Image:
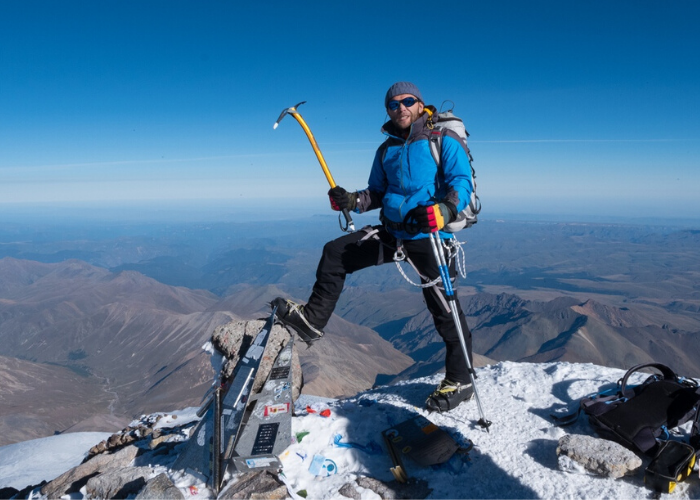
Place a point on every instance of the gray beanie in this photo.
(402, 88)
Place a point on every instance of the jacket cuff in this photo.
(449, 211)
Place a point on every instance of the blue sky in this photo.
(580, 108)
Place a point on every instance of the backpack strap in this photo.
(667, 373)
(436, 146)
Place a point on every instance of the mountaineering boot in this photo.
(448, 395)
(292, 315)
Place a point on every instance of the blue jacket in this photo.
(404, 175)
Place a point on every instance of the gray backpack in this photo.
(441, 123)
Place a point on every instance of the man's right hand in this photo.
(341, 199)
(431, 218)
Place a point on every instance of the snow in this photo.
(516, 459)
(31, 462)
(177, 418)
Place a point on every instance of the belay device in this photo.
(241, 431)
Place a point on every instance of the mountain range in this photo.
(506, 327)
(128, 344)
(121, 312)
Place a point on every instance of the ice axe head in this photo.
(287, 111)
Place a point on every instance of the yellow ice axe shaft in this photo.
(349, 225)
(314, 145)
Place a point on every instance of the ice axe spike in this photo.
(349, 225)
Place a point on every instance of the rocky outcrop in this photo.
(144, 428)
(109, 471)
(118, 483)
(256, 485)
(413, 488)
(77, 477)
(160, 487)
(233, 339)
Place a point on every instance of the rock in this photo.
(596, 456)
(25, 492)
(261, 485)
(131, 434)
(161, 488)
(75, 478)
(349, 491)
(413, 488)
(8, 492)
(118, 483)
(100, 447)
(114, 440)
(232, 338)
(164, 438)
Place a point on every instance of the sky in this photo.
(574, 108)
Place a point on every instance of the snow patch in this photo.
(336, 441)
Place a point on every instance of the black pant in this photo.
(348, 254)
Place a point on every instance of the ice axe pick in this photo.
(349, 226)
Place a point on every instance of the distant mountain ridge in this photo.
(125, 333)
(140, 342)
(508, 328)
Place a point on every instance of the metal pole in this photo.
(449, 291)
(216, 445)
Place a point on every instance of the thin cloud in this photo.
(578, 140)
(138, 162)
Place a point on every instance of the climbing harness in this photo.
(455, 251)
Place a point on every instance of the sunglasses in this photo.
(406, 101)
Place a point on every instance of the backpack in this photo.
(440, 123)
(638, 416)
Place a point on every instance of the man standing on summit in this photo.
(416, 198)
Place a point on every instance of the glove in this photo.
(431, 218)
(342, 200)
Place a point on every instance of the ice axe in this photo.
(349, 226)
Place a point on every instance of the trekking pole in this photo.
(349, 225)
(451, 297)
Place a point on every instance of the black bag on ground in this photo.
(637, 416)
(674, 463)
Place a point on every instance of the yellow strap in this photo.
(439, 218)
